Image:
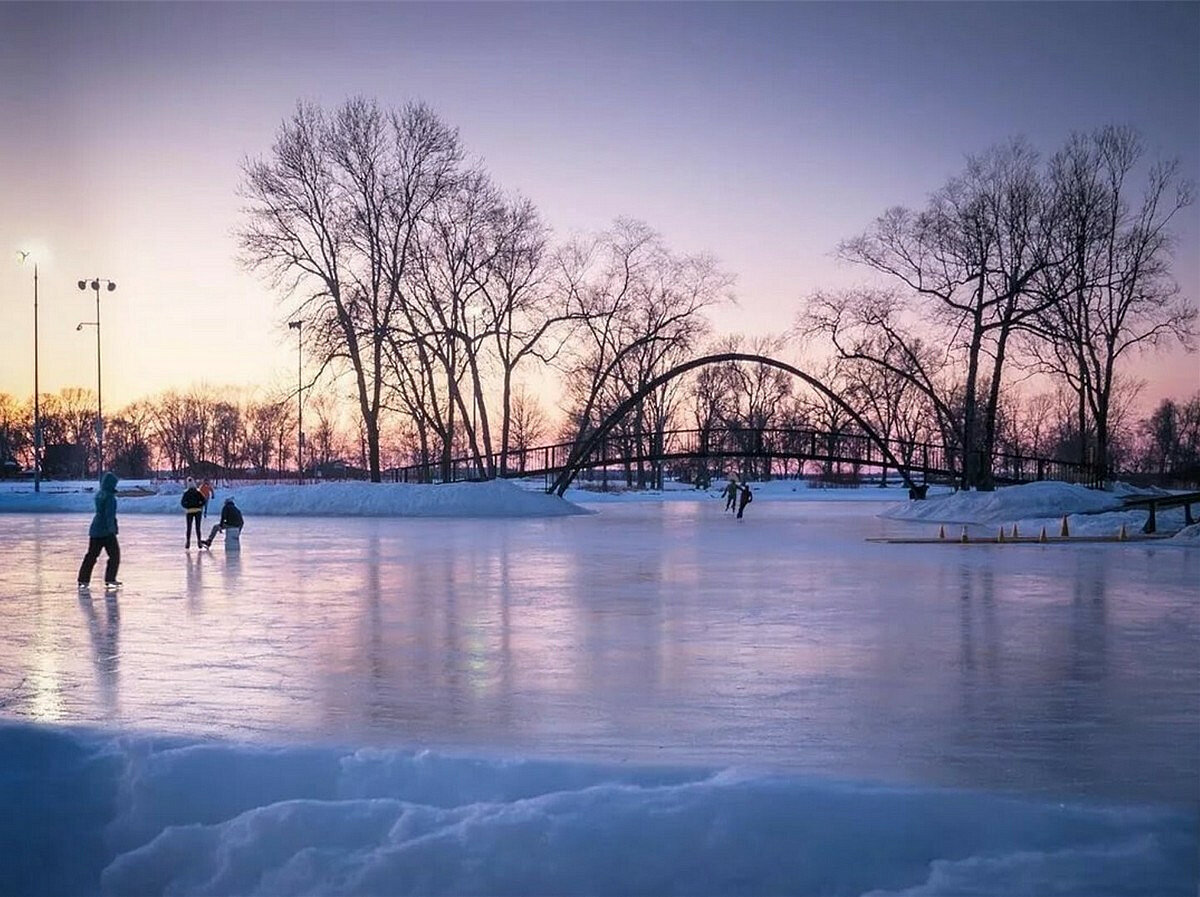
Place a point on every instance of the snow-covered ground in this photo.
(651, 698)
(1031, 507)
(498, 498)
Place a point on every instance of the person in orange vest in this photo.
(206, 490)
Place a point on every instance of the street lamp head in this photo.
(22, 256)
(95, 284)
(294, 325)
(83, 284)
(78, 327)
(111, 286)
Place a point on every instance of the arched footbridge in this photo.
(858, 446)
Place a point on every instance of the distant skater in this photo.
(730, 492)
(103, 534)
(745, 496)
(207, 491)
(231, 519)
(193, 506)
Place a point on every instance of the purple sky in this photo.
(763, 133)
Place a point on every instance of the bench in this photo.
(1154, 502)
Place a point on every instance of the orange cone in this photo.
(964, 536)
(1122, 537)
(1042, 537)
(1016, 535)
(1000, 538)
(941, 532)
(1065, 531)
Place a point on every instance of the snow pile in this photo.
(1189, 534)
(1030, 501)
(1089, 512)
(497, 498)
(141, 815)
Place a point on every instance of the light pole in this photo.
(37, 408)
(298, 326)
(95, 285)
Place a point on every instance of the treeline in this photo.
(174, 431)
(212, 431)
(434, 304)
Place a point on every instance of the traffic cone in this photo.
(1016, 535)
(964, 536)
(1121, 536)
(941, 532)
(1042, 537)
(1065, 531)
(1000, 538)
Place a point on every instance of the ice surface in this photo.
(652, 699)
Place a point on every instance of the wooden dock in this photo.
(1022, 540)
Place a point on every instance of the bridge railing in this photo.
(923, 461)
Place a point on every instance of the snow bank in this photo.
(140, 815)
(1032, 500)
(497, 498)
(1089, 512)
(1189, 534)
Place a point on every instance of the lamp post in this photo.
(95, 285)
(37, 408)
(298, 327)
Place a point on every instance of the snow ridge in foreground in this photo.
(144, 815)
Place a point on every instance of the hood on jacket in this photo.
(108, 482)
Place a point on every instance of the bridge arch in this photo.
(575, 461)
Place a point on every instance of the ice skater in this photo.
(730, 492)
(103, 534)
(231, 519)
(208, 492)
(193, 506)
(745, 496)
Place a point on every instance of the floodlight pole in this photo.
(298, 327)
(37, 407)
(95, 285)
(23, 256)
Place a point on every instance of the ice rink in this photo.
(647, 633)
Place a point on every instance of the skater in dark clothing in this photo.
(231, 519)
(103, 534)
(730, 492)
(745, 496)
(193, 506)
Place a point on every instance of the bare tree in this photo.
(968, 260)
(639, 306)
(1114, 287)
(528, 423)
(332, 219)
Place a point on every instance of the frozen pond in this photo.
(648, 633)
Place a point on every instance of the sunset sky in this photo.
(762, 133)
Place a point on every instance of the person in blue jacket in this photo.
(103, 534)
